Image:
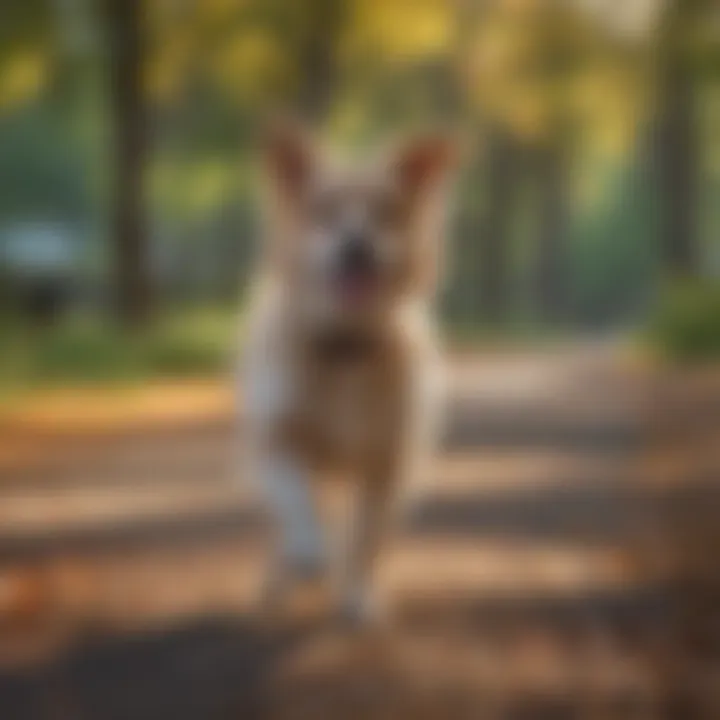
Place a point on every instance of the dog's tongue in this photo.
(356, 288)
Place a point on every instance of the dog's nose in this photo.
(357, 254)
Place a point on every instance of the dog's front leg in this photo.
(368, 525)
(299, 552)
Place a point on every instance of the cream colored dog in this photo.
(342, 370)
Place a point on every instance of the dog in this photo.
(342, 371)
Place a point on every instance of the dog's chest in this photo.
(342, 406)
(345, 410)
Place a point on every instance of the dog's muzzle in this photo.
(342, 345)
(356, 272)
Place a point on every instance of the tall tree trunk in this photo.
(318, 59)
(132, 279)
(551, 268)
(676, 155)
(501, 180)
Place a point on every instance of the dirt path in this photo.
(129, 567)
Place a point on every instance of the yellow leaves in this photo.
(221, 9)
(168, 66)
(214, 17)
(610, 101)
(520, 7)
(192, 188)
(531, 113)
(212, 43)
(552, 72)
(248, 65)
(507, 80)
(201, 14)
(491, 56)
(22, 78)
(404, 29)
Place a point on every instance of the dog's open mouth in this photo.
(357, 286)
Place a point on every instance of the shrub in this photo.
(94, 349)
(188, 344)
(686, 326)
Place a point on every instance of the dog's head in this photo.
(351, 239)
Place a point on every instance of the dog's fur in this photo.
(337, 380)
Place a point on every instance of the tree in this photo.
(502, 167)
(317, 58)
(676, 140)
(551, 178)
(128, 223)
(551, 80)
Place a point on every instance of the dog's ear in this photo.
(425, 163)
(289, 156)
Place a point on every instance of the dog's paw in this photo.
(285, 577)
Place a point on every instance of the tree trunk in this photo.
(494, 238)
(676, 159)
(132, 278)
(551, 278)
(318, 59)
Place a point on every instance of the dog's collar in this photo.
(342, 345)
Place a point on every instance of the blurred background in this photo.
(577, 497)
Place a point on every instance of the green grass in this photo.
(85, 350)
(483, 336)
(88, 350)
(686, 325)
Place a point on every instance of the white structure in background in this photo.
(34, 251)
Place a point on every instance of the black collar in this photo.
(344, 345)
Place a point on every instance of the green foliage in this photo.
(686, 326)
(188, 344)
(82, 352)
(212, 71)
(614, 262)
(41, 170)
(89, 350)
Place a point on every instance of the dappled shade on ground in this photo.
(529, 579)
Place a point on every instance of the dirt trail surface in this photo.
(131, 551)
